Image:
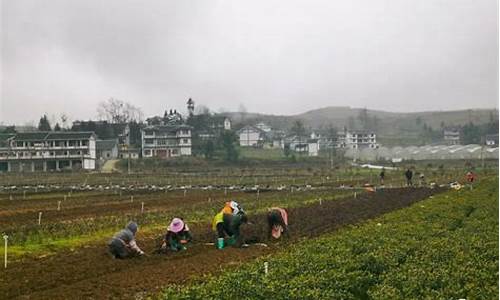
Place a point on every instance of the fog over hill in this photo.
(339, 116)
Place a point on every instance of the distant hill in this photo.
(401, 128)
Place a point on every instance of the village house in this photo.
(46, 151)
(251, 136)
(356, 139)
(264, 127)
(451, 136)
(166, 141)
(303, 145)
(107, 149)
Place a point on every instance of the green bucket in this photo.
(220, 243)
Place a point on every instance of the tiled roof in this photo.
(106, 144)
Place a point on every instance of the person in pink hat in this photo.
(177, 236)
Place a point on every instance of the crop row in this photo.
(440, 248)
(201, 211)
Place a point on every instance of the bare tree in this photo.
(202, 110)
(64, 119)
(118, 111)
(243, 111)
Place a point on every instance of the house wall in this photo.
(249, 138)
(313, 149)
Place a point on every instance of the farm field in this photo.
(58, 224)
(441, 248)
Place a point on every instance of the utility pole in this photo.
(128, 159)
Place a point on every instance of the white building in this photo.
(451, 136)
(264, 127)
(251, 136)
(356, 139)
(303, 145)
(45, 151)
(166, 141)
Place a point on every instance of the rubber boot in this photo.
(220, 243)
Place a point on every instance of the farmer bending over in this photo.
(123, 244)
(228, 224)
(277, 220)
(232, 208)
(178, 235)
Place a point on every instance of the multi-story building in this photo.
(45, 151)
(166, 141)
(451, 136)
(356, 139)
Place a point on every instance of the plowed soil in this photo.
(89, 273)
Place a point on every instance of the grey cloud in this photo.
(272, 56)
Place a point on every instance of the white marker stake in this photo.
(266, 267)
(58, 205)
(24, 194)
(131, 199)
(320, 201)
(39, 218)
(142, 207)
(185, 191)
(5, 237)
(355, 195)
(258, 192)
(10, 197)
(64, 198)
(225, 191)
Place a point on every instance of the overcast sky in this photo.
(281, 57)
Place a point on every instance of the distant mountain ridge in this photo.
(391, 125)
(339, 116)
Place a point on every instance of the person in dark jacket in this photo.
(409, 175)
(123, 244)
(178, 235)
(382, 176)
(228, 224)
(277, 220)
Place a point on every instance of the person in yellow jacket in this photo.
(228, 224)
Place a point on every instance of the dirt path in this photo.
(110, 166)
(89, 273)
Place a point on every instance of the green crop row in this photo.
(441, 248)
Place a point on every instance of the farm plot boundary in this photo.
(89, 273)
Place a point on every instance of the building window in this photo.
(147, 152)
(185, 141)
